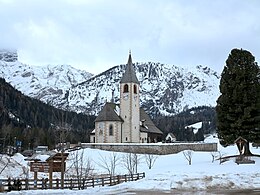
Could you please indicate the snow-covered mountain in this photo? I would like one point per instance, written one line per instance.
(165, 89)
(46, 83)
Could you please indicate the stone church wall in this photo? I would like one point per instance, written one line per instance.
(158, 149)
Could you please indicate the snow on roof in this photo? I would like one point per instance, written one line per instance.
(195, 125)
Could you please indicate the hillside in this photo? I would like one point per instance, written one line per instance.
(36, 123)
(178, 123)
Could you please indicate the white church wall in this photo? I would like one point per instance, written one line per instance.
(103, 134)
(143, 137)
(99, 132)
(115, 135)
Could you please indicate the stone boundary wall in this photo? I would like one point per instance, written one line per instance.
(157, 149)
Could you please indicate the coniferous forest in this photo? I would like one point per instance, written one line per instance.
(35, 123)
(176, 124)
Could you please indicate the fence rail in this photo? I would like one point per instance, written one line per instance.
(73, 183)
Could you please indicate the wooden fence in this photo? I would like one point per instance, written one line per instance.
(75, 183)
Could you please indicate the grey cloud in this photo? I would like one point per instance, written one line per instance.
(95, 35)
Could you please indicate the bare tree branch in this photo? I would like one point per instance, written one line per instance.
(130, 162)
(110, 163)
(81, 166)
(188, 155)
(150, 160)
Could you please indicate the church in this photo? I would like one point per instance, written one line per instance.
(126, 122)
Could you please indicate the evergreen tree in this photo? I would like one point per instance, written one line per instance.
(238, 105)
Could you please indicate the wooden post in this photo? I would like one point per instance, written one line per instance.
(43, 186)
(83, 183)
(50, 172)
(86, 184)
(118, 179)
(125, 178)
(35, 180)
(93, 182)
(110, 180)
(102, 181)
(62, 169)
(71, 185)
(26, 183)
(57, 183)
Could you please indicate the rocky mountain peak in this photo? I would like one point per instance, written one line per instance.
(8, 55)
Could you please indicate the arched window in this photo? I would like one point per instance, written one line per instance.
(126, 88)
(111, 130)
(135, 89)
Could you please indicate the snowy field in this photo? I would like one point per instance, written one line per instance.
(170, 172)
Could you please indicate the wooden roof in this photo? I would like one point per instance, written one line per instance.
(147, 125)
(108, 113)
(57, 157)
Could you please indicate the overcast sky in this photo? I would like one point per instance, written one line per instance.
(96, 35)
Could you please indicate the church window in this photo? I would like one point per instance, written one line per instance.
(126, 88)
(111, 130)
(126, 139)
(135, 89)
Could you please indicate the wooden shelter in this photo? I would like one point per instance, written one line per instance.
(55, 163)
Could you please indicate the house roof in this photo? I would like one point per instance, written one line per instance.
(148, 126)
(108, 113)
(58, 156)
(129, 76)
(171, 135)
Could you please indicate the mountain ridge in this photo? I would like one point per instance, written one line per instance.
(161, 86)
(165, 89)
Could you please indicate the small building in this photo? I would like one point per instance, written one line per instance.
(170, 138)
(194, 127)
(41, 149)
(92, 136)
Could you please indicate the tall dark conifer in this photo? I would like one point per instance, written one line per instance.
(239, 103)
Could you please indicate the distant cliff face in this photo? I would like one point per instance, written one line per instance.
(46, 83)
(165, 89)
(8, 56)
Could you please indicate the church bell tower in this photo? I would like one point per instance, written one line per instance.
(130, 104)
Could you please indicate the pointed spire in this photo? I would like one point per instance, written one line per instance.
(113, 96)
(129, 58)
(129, 76)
